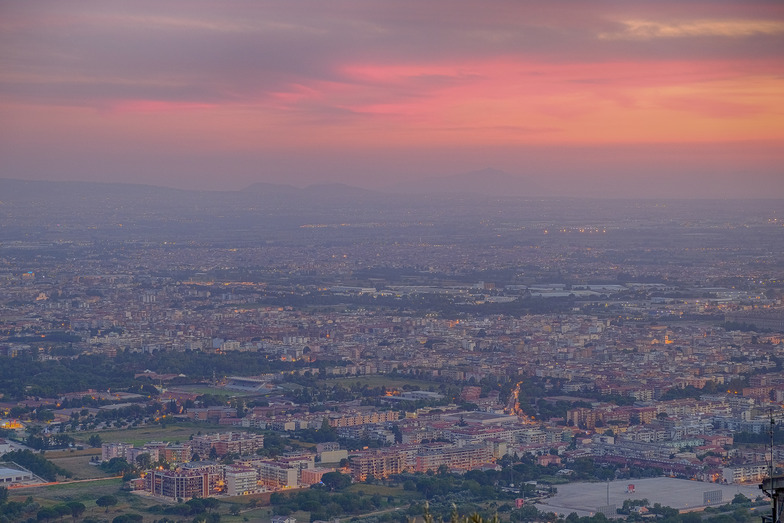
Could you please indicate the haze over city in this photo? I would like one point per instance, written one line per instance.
(608, 99)
(391, 261)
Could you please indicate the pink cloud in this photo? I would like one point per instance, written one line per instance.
(252, 78)
(156, 106)
(512, 93)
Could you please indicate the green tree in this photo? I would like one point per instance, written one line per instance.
(691, 517)
(210, 504)
(740, 499)
(44, 415)
(143, 461)
(326, 432)
(336, 480)
(128, 518)
(77, 509)
(525, 513)
(46, 513)
(62, 510)
(196, 506)
(106, 501)
(95, 441)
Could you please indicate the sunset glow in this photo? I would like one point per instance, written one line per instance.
(311, 92)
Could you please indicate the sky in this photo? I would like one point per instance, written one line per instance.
(624, 98)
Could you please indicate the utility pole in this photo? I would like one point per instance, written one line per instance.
(773, 486)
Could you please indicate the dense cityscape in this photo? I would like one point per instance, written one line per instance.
(374, 261)
(499, 357)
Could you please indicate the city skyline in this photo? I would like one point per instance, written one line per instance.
(611, 99)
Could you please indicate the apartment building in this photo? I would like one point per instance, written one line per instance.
(751, 473)
(380, 463)
(241, 481)
(467, 457)
(242, 443)
(185, 482)
(277, 475)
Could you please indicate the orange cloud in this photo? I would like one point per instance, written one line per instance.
(501, 102)
(517, 101)
(650, 29)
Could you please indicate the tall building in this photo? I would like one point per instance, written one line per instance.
(466, 457)
(277, 475)
(242, 443)
(241, 481)
(114, 450)
(380, 463)
(192, 479)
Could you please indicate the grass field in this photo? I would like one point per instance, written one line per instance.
(384, 381)
(381, 490)
(87, 492)
(141, 435)
(79, 491)
(215, 391)
(70, 453)
(79, 466)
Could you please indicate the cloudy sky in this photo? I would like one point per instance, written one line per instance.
(679, 97)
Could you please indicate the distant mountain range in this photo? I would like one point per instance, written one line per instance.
(485, 182)
(475, 203)
(48, 210)
(36, 192)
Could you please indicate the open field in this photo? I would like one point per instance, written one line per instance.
(79, 466)
(83, 491)
(682, 494)
(381, 490)
(88, 491)
(203, 388)
(141, 435)
(70, 453)
(384, 381)
(255, 514)
(260, 499)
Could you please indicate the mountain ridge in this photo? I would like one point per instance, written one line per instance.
(486, 182)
